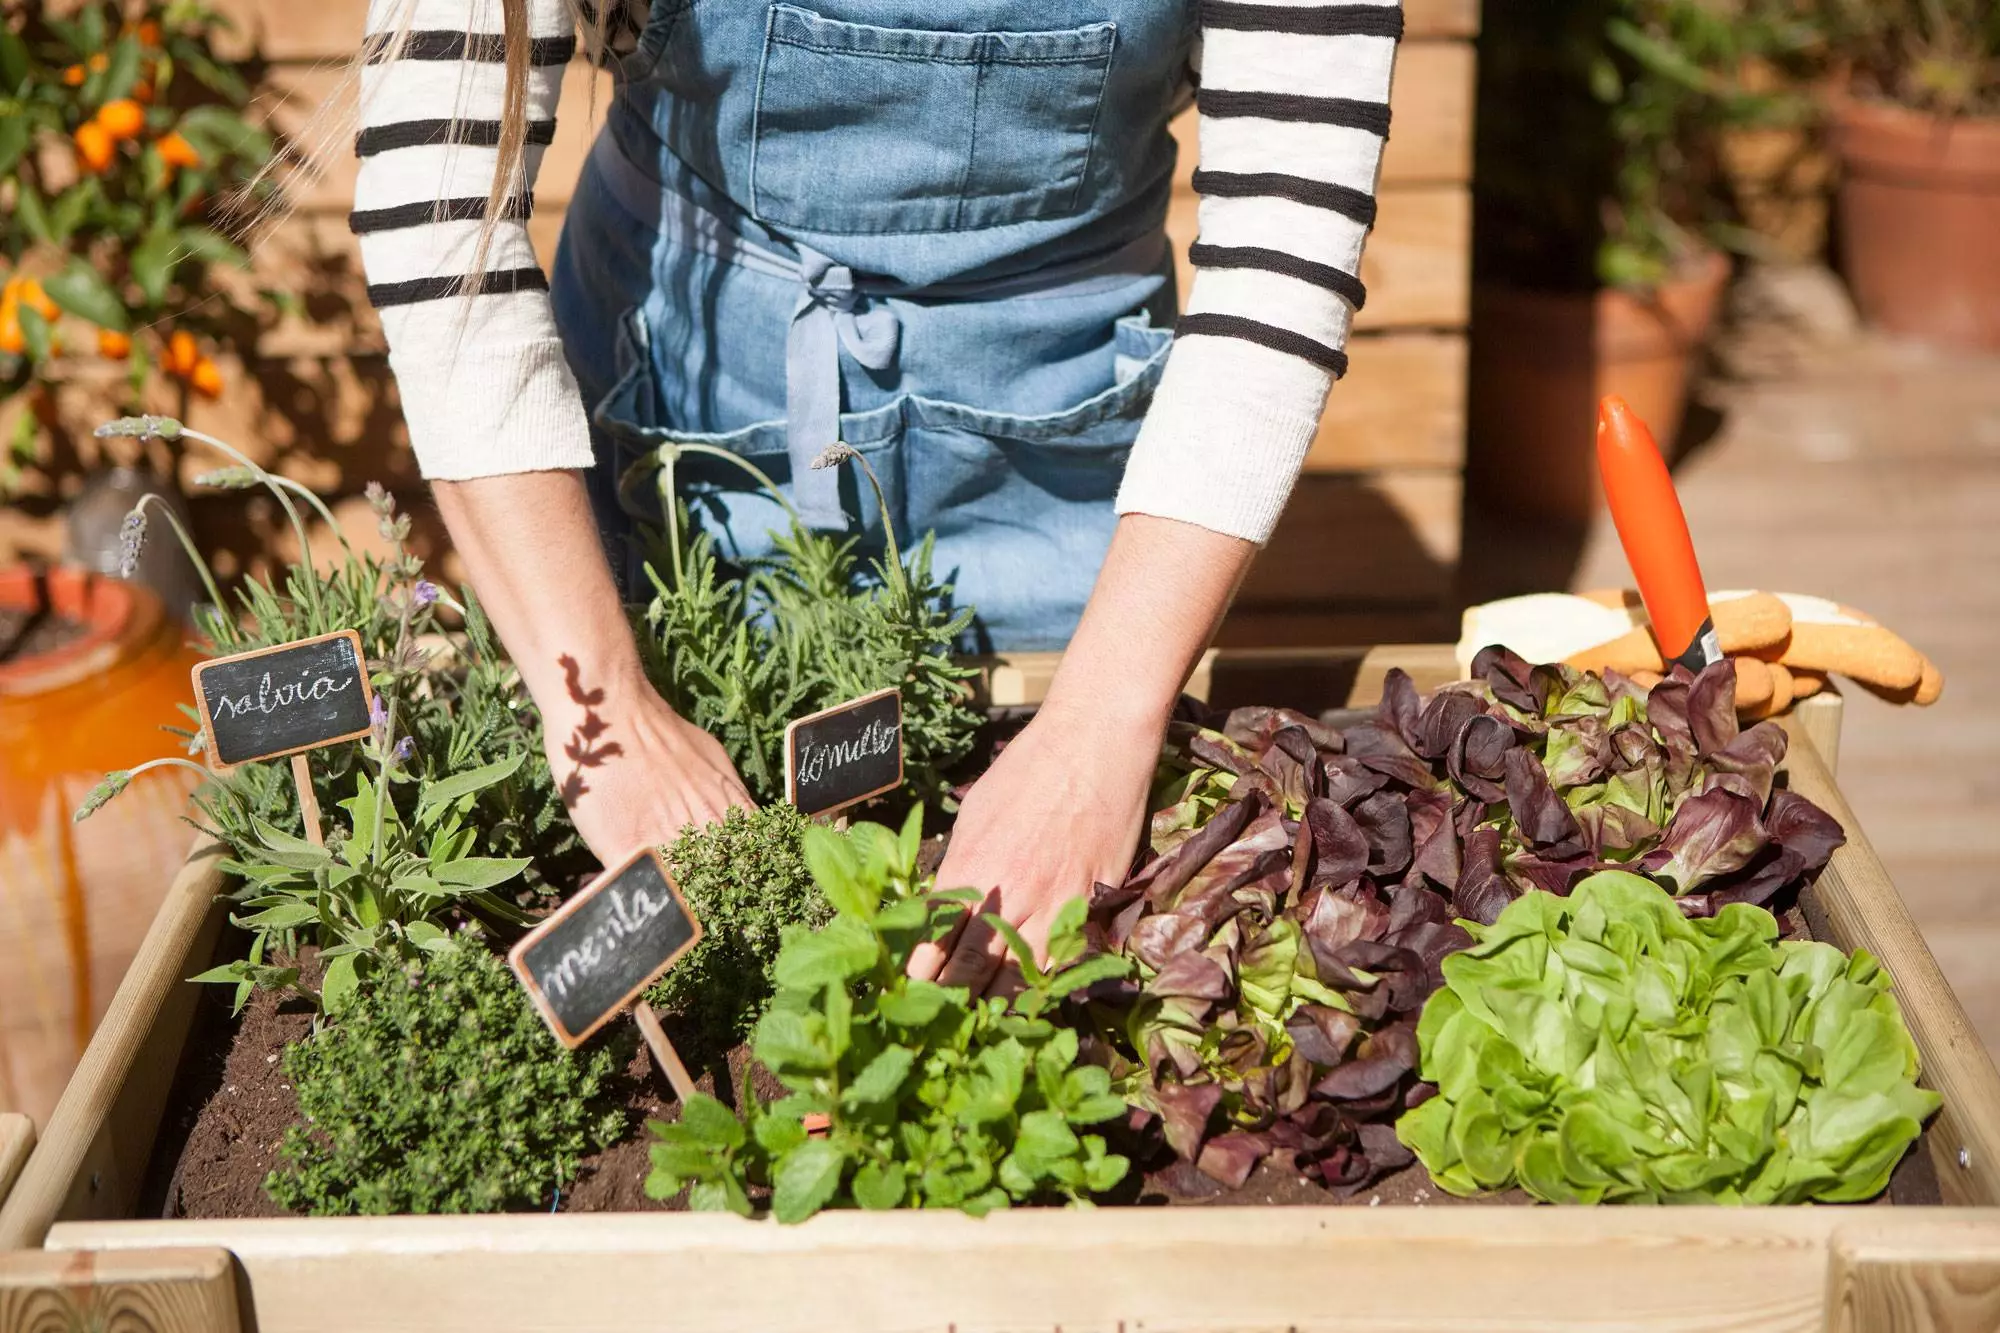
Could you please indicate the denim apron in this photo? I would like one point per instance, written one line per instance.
(931, 230)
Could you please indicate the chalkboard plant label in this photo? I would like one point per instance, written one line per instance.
(845, 754)
(285, 700)
(593, 956)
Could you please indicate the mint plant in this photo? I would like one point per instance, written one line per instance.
(931, 1098)
(740, 654)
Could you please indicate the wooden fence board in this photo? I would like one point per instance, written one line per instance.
(1401, 405)
(1373, 538)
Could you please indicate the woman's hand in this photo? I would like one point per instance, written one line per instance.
(1062, 806)
(633, 772)
(1060, 810)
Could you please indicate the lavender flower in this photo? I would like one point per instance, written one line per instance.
(113, 784)
(131, 543)
(404, 749)
(424, 593)
(833, 456)
(378, 713)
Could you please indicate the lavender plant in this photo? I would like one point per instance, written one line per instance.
(807, 628)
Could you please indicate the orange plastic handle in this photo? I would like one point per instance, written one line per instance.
(1651, 527)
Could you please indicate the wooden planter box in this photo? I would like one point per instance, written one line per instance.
(1132, 1269)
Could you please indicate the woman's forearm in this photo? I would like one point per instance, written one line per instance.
(1158, 601)
(531, 547)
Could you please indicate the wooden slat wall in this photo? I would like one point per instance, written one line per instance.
(1368, 549)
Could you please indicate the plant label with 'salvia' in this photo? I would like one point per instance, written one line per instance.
(846, 753)
(285, 700)
(598, 951)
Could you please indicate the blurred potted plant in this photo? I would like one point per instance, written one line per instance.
(125, 155)
(1918, 136)
(1600, 200)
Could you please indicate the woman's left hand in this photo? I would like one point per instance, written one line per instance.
(1060, 810)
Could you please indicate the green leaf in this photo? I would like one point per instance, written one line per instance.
(35, 333)
(879, 1187)
(844, 950)
(910, 842)
(218, 132)
(836, 868)
(437, 796)
(806, 1178)
(339, 984)
(709, 1122)
(33, 214)
(881, 1079)
(916, 1002)
(778, 1134)
(153, 261)
(211, 247)
(121, 71)
(1024, 953)
(288, 917)
(480, 872)
(1046, 1135)
(14, 62)
(15, 135)
(427, 936)
(79, 290)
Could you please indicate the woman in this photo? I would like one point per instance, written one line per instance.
(933, 231)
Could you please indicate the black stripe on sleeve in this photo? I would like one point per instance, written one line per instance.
(1330, 359)
(485, 48)
(1341, 283)
(1355, 205)
(1343, 111)
(363, 221)
(1307, 21)
(430, 133)
(385, 294)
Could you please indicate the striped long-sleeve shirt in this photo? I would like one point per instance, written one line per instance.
(1293, 111)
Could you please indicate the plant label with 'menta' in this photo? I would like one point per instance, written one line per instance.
(285, 700)
(599, 950)
(846, 753)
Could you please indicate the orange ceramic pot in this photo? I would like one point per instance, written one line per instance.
(1920, 221)
(75, 899)
(1541, 360)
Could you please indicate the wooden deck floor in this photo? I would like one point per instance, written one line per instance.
(1872, 475)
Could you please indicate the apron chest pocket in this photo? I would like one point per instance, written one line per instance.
(865, 129)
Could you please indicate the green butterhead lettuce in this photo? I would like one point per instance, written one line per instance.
(1605, 1048)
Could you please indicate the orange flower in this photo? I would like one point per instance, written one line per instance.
(206, 379)
(176, 151)
(99, 62)
(74, 76)
(11, 339)
(142, 91)
(149, 33)
(94, 146)
(113, 345)
(182, 354)
(122, 119)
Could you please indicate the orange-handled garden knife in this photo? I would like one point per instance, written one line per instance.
(1654, 533)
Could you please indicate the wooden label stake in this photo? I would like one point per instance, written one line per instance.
(664, 1054)
(308, 803)
(599, 951)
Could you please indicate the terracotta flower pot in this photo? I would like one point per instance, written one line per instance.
(86, 693)
(1920, 221)
(1541, 360)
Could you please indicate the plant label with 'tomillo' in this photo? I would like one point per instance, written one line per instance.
(846, 753)
(283, 700)
(598, 951)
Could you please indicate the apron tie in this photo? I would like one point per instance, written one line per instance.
(833, 312)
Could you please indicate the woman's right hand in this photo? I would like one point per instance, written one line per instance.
(633, 772)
